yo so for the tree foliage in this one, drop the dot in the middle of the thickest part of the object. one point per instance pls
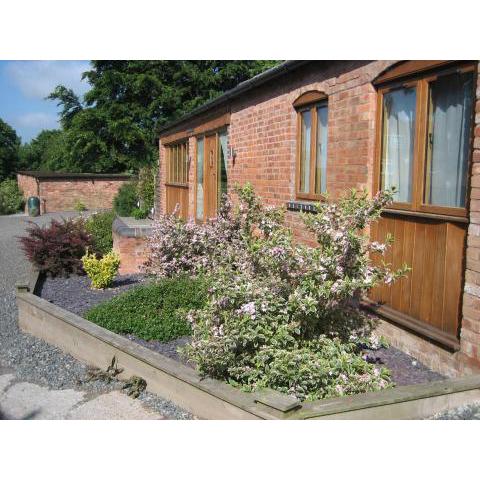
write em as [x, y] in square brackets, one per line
[46, 152]
[9, 145]
[115, 127]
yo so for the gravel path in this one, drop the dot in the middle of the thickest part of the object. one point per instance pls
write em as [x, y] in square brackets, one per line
[465, 412]
[31, 359]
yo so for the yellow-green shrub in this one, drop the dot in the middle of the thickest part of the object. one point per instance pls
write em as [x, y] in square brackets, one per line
[101, 271]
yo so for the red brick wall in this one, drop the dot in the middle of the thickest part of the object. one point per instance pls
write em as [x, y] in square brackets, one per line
[263, 129]
[29, 187]
[263, 132]
[62, 194]
[132, 251]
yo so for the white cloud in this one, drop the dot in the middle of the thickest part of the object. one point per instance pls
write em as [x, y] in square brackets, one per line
[37, 120]
[37, 79]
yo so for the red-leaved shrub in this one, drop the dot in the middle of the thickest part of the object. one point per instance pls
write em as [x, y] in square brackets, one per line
[57, 249]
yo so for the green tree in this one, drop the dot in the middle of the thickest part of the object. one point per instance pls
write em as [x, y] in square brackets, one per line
[116, 126]
[9, 145]
[69, 102]
[46, 152]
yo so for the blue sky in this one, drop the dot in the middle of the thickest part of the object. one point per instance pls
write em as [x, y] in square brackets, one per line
[24, 86]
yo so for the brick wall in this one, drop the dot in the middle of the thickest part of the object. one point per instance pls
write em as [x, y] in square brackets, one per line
[29, 187]
[61, 194]
[132, 251]
[263, 129]
[263, 132]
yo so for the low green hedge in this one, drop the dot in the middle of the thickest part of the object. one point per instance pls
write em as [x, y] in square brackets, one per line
[99, 226]
[153, 312]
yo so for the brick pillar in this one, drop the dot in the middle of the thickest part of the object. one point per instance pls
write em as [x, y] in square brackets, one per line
[470, 333]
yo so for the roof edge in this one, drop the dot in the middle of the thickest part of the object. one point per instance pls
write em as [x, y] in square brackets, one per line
[235, 92]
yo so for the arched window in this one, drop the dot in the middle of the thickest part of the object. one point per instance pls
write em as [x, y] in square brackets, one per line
[312, 142]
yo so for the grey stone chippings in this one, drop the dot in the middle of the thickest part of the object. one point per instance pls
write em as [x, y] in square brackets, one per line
[31, 359]
[465, 412]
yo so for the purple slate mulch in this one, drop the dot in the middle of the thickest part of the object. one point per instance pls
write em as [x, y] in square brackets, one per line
[74, 294]
[405, 370]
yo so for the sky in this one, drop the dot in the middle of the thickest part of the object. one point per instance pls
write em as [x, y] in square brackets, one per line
[24, 86]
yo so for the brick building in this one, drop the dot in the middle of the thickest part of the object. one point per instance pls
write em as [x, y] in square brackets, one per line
[60, 191]
[306, 128]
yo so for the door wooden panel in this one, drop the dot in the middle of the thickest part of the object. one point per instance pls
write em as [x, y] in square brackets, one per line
[432, 291]
[210, 177]
[177, 195]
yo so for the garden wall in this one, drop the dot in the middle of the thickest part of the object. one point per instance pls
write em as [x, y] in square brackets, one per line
[129, 241]
[60, 191]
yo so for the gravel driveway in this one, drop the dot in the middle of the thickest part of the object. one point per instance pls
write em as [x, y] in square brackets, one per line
[28, 359]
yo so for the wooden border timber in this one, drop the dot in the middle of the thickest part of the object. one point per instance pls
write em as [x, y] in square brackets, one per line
[213, 399]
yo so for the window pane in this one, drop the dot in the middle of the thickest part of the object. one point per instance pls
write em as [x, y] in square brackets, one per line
[449, 124]
[222, 166]
[398, 142]
[305, 152]
[321, 160]
[199, 213]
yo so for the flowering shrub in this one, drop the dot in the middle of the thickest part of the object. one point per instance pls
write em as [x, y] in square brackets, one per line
[101, 271]
[280, 314]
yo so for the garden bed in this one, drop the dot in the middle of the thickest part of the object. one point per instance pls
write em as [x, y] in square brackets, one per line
[75, 295]
[212, 399]
[266, 316]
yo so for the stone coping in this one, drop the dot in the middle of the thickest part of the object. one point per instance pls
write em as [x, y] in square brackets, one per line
[132, 228]
[213, 399]
[77, 176]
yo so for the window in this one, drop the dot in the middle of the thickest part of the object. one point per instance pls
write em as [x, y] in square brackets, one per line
[211, 174]
[425, 132]
[199, 180]
[177, 164]
[312, 141]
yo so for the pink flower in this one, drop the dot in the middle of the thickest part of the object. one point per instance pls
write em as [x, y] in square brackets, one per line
[249, 309]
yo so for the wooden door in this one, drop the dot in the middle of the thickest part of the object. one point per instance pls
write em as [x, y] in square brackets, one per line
[210, 176]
